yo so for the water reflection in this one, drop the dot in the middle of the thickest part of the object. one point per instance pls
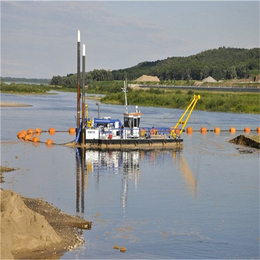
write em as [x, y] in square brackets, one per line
[80, 179]
[188, 175]
[127, 163]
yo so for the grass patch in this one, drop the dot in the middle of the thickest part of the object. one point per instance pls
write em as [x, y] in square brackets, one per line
[24, 88]
[236, 102]
[210, 101]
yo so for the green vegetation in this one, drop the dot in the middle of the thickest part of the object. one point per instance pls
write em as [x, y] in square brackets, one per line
[230, 66]
[24, 88]
[25, 80]
[210, 101]
[221, 64]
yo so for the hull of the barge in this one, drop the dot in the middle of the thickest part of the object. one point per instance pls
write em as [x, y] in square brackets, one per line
[133, 144]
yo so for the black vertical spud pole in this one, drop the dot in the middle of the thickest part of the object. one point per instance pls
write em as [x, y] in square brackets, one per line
[78, 82]
[83, 95]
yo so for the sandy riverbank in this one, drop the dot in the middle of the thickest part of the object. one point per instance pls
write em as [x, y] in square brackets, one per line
[10, 104]
[33, 228]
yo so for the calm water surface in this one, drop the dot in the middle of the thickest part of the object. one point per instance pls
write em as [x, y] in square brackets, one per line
[198, 202]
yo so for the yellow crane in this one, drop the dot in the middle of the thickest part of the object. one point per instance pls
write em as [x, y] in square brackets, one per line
[176, 132]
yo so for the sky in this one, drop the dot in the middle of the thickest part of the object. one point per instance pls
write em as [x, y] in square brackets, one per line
[39, 38]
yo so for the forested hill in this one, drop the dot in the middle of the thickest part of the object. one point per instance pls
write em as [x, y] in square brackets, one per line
[221, 63]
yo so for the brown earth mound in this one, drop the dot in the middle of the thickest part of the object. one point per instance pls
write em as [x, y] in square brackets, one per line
[252, 141]
[32, 228]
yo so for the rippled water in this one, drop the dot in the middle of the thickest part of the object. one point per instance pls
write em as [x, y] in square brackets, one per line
[198, 202]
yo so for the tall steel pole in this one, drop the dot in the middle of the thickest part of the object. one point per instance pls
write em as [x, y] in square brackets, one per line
[83, 95]
[78, 82]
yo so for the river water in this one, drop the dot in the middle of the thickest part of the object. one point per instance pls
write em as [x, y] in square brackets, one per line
[198, 202]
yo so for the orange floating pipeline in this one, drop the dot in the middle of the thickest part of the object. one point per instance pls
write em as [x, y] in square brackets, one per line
[189, 130]
[258, 129]
[52, 131]
[30, 131]
[49, 141]
[203, 130]
[27, 137]
[216, 130]
[247, 130]
[35, 139]
[21, 135]
[72, 131]
[23, 132]
[38, 130]
[232, 130]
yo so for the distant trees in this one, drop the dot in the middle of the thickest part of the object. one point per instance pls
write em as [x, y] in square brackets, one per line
[221, 63]
[70, 81]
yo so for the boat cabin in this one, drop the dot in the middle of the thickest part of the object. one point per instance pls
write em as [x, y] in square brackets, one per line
[132, 123]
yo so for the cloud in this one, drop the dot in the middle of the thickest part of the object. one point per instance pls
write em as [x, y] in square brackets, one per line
[41, 36]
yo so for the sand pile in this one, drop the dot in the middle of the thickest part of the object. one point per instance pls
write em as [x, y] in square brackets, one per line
[146, 78]
[249, 140]
[209, 79]
[26, 233]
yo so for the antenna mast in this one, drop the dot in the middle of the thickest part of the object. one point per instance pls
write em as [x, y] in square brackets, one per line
[125, 90]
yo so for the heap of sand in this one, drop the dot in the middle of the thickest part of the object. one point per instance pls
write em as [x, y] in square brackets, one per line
[146, 78]
[209, 79]
[32, 228]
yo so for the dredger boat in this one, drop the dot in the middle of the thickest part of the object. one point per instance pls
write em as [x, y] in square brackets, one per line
[108, 133]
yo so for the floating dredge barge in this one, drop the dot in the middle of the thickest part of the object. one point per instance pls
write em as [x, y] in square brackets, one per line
[108, 133]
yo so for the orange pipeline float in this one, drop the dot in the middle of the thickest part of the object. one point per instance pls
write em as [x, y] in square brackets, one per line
[38, 130]
[35, 139]
[247, 130]
[216, 130]
[72, 131]
[203, 130]
[52, 130]
[189, 130]
[232, 130]
[30, 131]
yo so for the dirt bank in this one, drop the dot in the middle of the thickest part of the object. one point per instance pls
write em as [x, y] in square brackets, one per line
[9, 104]
[33, 228]
[250, 140]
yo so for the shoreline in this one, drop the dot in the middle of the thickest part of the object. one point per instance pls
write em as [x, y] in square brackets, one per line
[33, 228]
[11, 104]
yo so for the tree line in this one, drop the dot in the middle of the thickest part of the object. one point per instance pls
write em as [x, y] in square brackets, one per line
[221, 64]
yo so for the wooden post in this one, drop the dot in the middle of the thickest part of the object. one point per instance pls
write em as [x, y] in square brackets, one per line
[83, 96]
[78, 82]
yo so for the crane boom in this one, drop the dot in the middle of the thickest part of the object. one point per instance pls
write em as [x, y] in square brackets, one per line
[184, 122]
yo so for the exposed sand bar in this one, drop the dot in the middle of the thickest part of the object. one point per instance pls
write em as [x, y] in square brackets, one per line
[10, 104]
[35, 229]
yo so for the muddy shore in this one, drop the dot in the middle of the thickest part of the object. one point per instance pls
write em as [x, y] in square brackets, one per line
[34, 229]
[10, 104]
